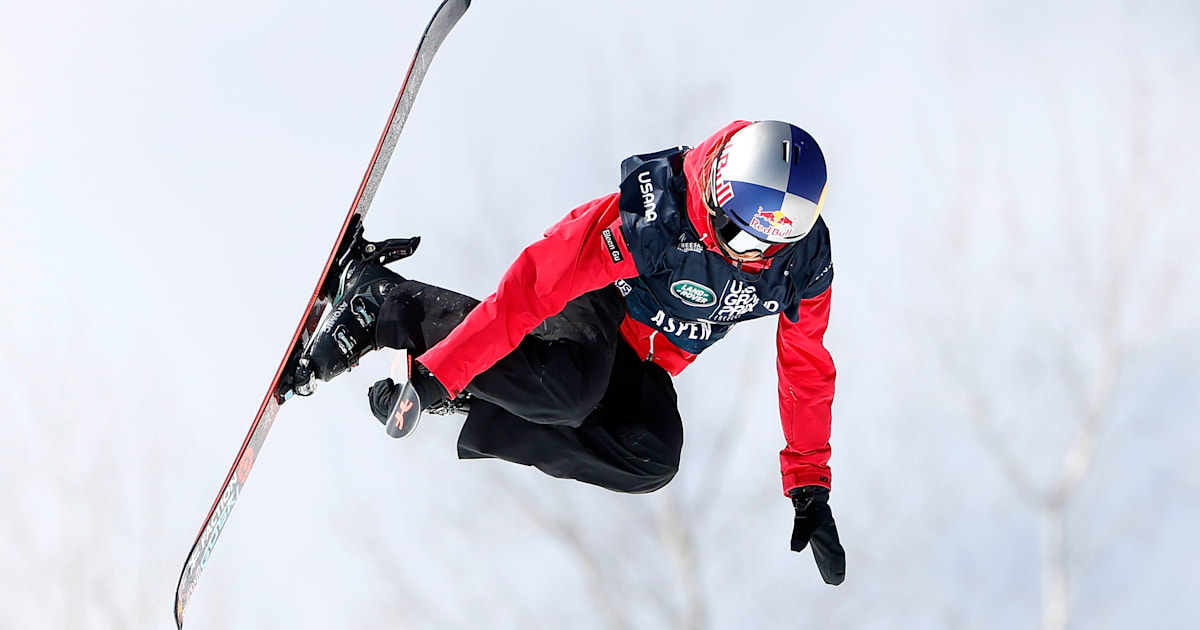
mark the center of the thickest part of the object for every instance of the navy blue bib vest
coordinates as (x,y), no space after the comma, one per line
(691,295)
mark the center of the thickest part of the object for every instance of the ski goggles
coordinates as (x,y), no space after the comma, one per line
(738,241)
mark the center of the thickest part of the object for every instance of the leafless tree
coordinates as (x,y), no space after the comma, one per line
(1056,284)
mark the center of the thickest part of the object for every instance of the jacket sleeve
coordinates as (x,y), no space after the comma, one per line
(583,252)
(806,378)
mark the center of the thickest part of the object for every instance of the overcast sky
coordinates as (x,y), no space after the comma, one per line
(1012,205)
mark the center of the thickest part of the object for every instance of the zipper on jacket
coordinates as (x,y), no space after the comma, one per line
(650,355)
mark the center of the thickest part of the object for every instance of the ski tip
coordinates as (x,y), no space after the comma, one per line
(406,412)
(180,608)
(179,603)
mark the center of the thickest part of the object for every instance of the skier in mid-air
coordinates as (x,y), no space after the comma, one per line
(567,367)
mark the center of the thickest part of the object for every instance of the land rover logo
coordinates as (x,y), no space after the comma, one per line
(693,293)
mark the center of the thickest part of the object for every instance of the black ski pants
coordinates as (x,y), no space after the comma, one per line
(572,400)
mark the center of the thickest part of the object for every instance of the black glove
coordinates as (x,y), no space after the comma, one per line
(382,397)
(383,394)
(814,523)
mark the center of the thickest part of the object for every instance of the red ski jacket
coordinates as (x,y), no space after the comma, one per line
(573,258)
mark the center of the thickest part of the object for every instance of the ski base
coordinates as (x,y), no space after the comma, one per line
(349,246)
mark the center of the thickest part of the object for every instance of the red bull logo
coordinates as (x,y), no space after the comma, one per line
(772,223)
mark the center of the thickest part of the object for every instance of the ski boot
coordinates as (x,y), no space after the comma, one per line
(347,332)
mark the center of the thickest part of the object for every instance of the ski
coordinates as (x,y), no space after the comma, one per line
(350,245)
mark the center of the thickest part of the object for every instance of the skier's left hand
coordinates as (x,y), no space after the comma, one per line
(814,523)
(383,394)
(382,397)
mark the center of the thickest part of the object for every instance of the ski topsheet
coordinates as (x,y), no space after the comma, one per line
(348,244)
